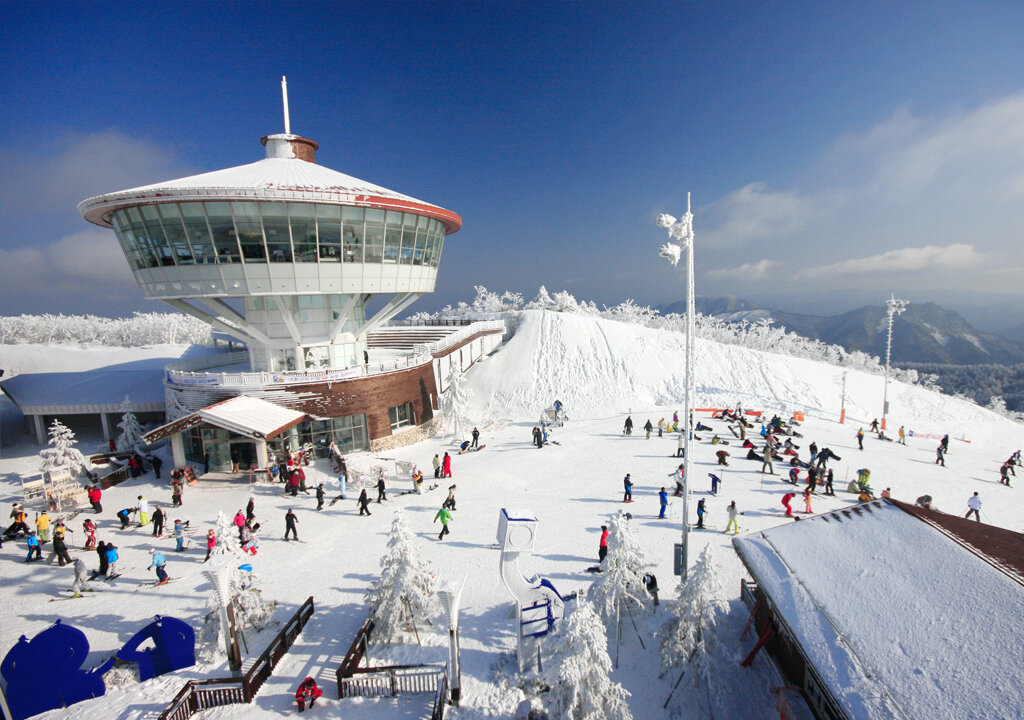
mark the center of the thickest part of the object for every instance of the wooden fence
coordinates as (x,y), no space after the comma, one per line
(202,694)
(355,654)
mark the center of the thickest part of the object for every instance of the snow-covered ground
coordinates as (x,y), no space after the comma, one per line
(600,370)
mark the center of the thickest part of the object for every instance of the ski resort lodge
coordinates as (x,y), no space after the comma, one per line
(284,256)
(888,611)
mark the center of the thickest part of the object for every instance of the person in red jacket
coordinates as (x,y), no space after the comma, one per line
(94,498)
(786,499)
(602,548)
(446,465)
(211,543)
(307,693)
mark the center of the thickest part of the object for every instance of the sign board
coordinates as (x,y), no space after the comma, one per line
(677,560)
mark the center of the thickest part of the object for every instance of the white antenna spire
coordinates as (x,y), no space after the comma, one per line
(284,98)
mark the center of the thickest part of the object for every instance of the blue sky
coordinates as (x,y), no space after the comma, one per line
(835,151)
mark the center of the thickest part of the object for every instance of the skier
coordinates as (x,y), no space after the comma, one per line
(648,427)
(158,521)
(446,466)
(308,692)
(445,517)
(627,428)
(289,524)
(786,500)
(125,517)
(627,484)
(940,455)
(101,553)
(860,438)
(722,455)
(663,499)
(363,502)
(681,446)
(701,512)
(80,578)
(179,535)
(449,501)
(89,528)
(974,506)
(602,545)
(1004,473)
(343,486)
(33,547)
(60,548)
(381,495)
(794,476)
(95,494)
(143,511)
(903,436)
(211,543)
(715,480)
(945,444)
(320,496)
(733,523)
(476,438)
(158,562)
(111,561)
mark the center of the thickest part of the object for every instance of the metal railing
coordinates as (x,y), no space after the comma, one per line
(205,362)
(461,335)
(291,377)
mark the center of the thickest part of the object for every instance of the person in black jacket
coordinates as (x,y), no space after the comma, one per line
(158,521)
(289,524)
(364,503)
(320,496)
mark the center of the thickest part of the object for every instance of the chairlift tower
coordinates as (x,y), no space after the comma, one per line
(895,307)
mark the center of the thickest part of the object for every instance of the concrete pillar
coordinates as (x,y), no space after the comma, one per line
(261,453)
(106,426)
(40,429)
(178,450)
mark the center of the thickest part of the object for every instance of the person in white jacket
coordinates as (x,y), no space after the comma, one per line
(143,511)
(81,571)
(974,503)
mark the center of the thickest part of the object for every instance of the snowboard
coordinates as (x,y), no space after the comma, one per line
(472,449)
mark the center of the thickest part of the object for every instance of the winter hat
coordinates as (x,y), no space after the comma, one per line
(152,551)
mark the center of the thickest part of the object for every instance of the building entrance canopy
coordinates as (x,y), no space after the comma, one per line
(243,415)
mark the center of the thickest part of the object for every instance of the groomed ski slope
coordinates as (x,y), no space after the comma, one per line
(599,369)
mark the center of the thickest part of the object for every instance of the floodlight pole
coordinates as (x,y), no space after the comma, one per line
(682,232)
(895,307)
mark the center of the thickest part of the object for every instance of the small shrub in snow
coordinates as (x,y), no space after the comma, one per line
(620,587)
(580,688)
(403,594)
(62,451)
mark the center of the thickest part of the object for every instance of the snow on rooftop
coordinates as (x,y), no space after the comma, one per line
(898,618)
(251,416)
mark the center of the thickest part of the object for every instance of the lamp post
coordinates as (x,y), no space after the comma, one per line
(896,307)
(681,233)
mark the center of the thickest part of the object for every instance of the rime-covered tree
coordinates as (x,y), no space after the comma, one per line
(620,587)
(687,637)
(61,451)
(131,431)
(455,403)
(403,594)
(579,669)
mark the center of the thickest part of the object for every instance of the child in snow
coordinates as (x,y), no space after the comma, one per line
(307,694)
(807,501)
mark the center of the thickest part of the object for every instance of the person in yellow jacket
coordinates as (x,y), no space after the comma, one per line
(43,527)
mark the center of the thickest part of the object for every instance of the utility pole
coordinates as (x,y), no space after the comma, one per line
(896,307)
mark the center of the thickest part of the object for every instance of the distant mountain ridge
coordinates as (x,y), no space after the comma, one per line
(924,333)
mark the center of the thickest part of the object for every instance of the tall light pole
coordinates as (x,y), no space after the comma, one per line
(681,232)
(896,307)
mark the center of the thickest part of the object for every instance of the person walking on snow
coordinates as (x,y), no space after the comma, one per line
(602,545)
(446,466)
(627,484)
(701,512)
(437,466)
(733,523)
(211,543)
(681,446)
(308,692)
(158,562)
(320,496)
(627,428)
(860,438)
(381,495)
(363,502)
(663,499)
(94,498)
(476,438)
(661,427)
(974,506)
(289,524)
(60,549)
(445,517)
(158,521)
(786,500)
(239,523)
(903,436)
(945,443)
(940,455)
(1004,473)
(648,427)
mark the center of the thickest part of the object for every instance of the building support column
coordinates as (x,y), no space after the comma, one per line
(261,454)
(40,429)
(105,421)
(178,450)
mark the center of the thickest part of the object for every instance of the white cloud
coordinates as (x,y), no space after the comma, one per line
(748,271)
(907,260)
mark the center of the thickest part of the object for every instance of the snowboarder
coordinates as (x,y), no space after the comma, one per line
(158,562)
(715,480)
(627,428)
(627,485)
(766,461)
(343,486)
(786,500)
(648,427)
(320,496)
(308,692)
(663,499)
(158,521)
(95,494)
(125,516)
(903,436)
(924,501)
(860,438)
(681,446)
(445,517)
(80,578)
(476,438)
(143,511)
(733,523)
(945,444)
(211,543)
(974,506)
(449,501)
(381,495)
(363,502)
(602,545)
(33,547)
(874,425)
(701,512)
(940,455)
(824,456)
(289,524)
(794,476)
(722,455)
(446,466)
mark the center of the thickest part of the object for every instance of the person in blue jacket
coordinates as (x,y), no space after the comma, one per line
(111,560)
(33,547)
(158,562)
(663,499)
(179,535)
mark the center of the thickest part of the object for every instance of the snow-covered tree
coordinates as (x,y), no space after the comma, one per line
(403,594)
(455,403)
(687,637)
(620,587)
(62,451)
(579,669)
(227,537)
(131,431)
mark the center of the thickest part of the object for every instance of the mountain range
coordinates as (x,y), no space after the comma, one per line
(923,333)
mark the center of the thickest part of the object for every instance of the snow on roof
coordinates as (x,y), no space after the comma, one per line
(251,416)
(281,179)
(92,391)
(898,619)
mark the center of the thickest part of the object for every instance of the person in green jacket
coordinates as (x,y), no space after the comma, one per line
(445,517)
